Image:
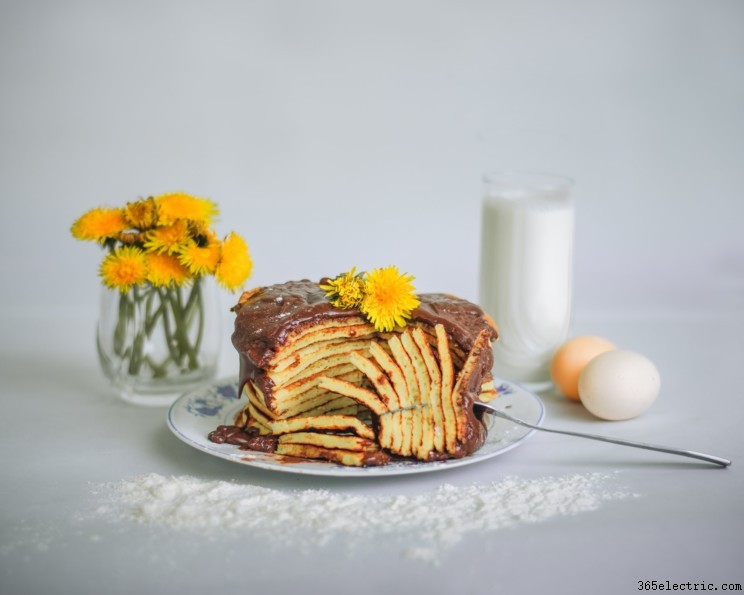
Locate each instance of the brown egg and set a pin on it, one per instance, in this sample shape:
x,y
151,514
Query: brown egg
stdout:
x,y
571,358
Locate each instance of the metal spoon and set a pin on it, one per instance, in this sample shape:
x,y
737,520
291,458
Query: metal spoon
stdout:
x,y
675,451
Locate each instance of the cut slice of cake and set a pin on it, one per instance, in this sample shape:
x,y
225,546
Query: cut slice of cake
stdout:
x,y
322,383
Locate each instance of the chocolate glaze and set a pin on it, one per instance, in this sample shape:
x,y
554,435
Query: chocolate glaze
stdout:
x,y
250,439
266,317
245,438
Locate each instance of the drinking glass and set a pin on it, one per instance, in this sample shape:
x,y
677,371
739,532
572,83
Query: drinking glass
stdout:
x,y
526,270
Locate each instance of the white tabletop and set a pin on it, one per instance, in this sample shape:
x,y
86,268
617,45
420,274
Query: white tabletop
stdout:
x,y
64,435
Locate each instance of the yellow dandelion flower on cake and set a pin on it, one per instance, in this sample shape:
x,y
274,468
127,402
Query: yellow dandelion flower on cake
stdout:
x,y
177,205
168,239
388,298
99,225
346,290
235,263
200,259
123,268
142,214
164,270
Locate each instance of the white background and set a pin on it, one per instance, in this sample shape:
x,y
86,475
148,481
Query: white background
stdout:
x,y
334,134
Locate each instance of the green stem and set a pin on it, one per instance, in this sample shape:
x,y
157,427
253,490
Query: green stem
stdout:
x,y
120,332
152,317
170,341
135,361
181,332
195,308
200,310
191,302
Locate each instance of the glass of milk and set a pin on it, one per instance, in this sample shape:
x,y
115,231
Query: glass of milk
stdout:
x,y
526,274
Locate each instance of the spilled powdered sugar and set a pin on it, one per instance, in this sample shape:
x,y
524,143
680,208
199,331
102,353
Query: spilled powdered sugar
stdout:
x,y
423,526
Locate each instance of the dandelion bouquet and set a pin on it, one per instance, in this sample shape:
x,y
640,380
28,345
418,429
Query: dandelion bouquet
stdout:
x,y
159,250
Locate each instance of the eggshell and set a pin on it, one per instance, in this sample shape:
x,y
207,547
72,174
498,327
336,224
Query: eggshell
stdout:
x,y
619,384
570,359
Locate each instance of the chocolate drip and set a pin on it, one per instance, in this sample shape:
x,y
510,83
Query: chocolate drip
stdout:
x,y
244,438
250,439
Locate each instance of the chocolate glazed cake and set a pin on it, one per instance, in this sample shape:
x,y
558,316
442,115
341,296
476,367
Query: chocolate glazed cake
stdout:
x,y
322,383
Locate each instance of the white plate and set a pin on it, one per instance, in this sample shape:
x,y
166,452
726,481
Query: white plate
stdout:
x,y
197,413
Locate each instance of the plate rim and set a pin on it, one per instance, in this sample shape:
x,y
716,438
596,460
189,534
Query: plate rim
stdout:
x,y
274,463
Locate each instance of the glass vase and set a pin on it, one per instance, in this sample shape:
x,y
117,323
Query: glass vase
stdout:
x,y
155,343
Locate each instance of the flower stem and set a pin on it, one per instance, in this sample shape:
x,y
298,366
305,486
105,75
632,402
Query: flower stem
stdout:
x,y
200,309
135,360
152,318
181,334
170,341
122,322
193,297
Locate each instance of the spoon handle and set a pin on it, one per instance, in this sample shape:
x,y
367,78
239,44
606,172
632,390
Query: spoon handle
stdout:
x,y
675,451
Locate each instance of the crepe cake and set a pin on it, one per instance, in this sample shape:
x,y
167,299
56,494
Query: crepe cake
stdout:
x,y
321,383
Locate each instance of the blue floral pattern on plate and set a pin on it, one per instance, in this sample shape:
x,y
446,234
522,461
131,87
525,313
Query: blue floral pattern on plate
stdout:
x,y
504,389
213,399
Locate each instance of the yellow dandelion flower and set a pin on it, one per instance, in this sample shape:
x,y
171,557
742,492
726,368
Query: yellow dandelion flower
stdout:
x,y
177,205
165,269
235,264
168,239
346,290
388,299
124,268
99,225
200,259
142,214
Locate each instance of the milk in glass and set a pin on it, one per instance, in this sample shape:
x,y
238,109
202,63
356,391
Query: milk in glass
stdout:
x,y
526,276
